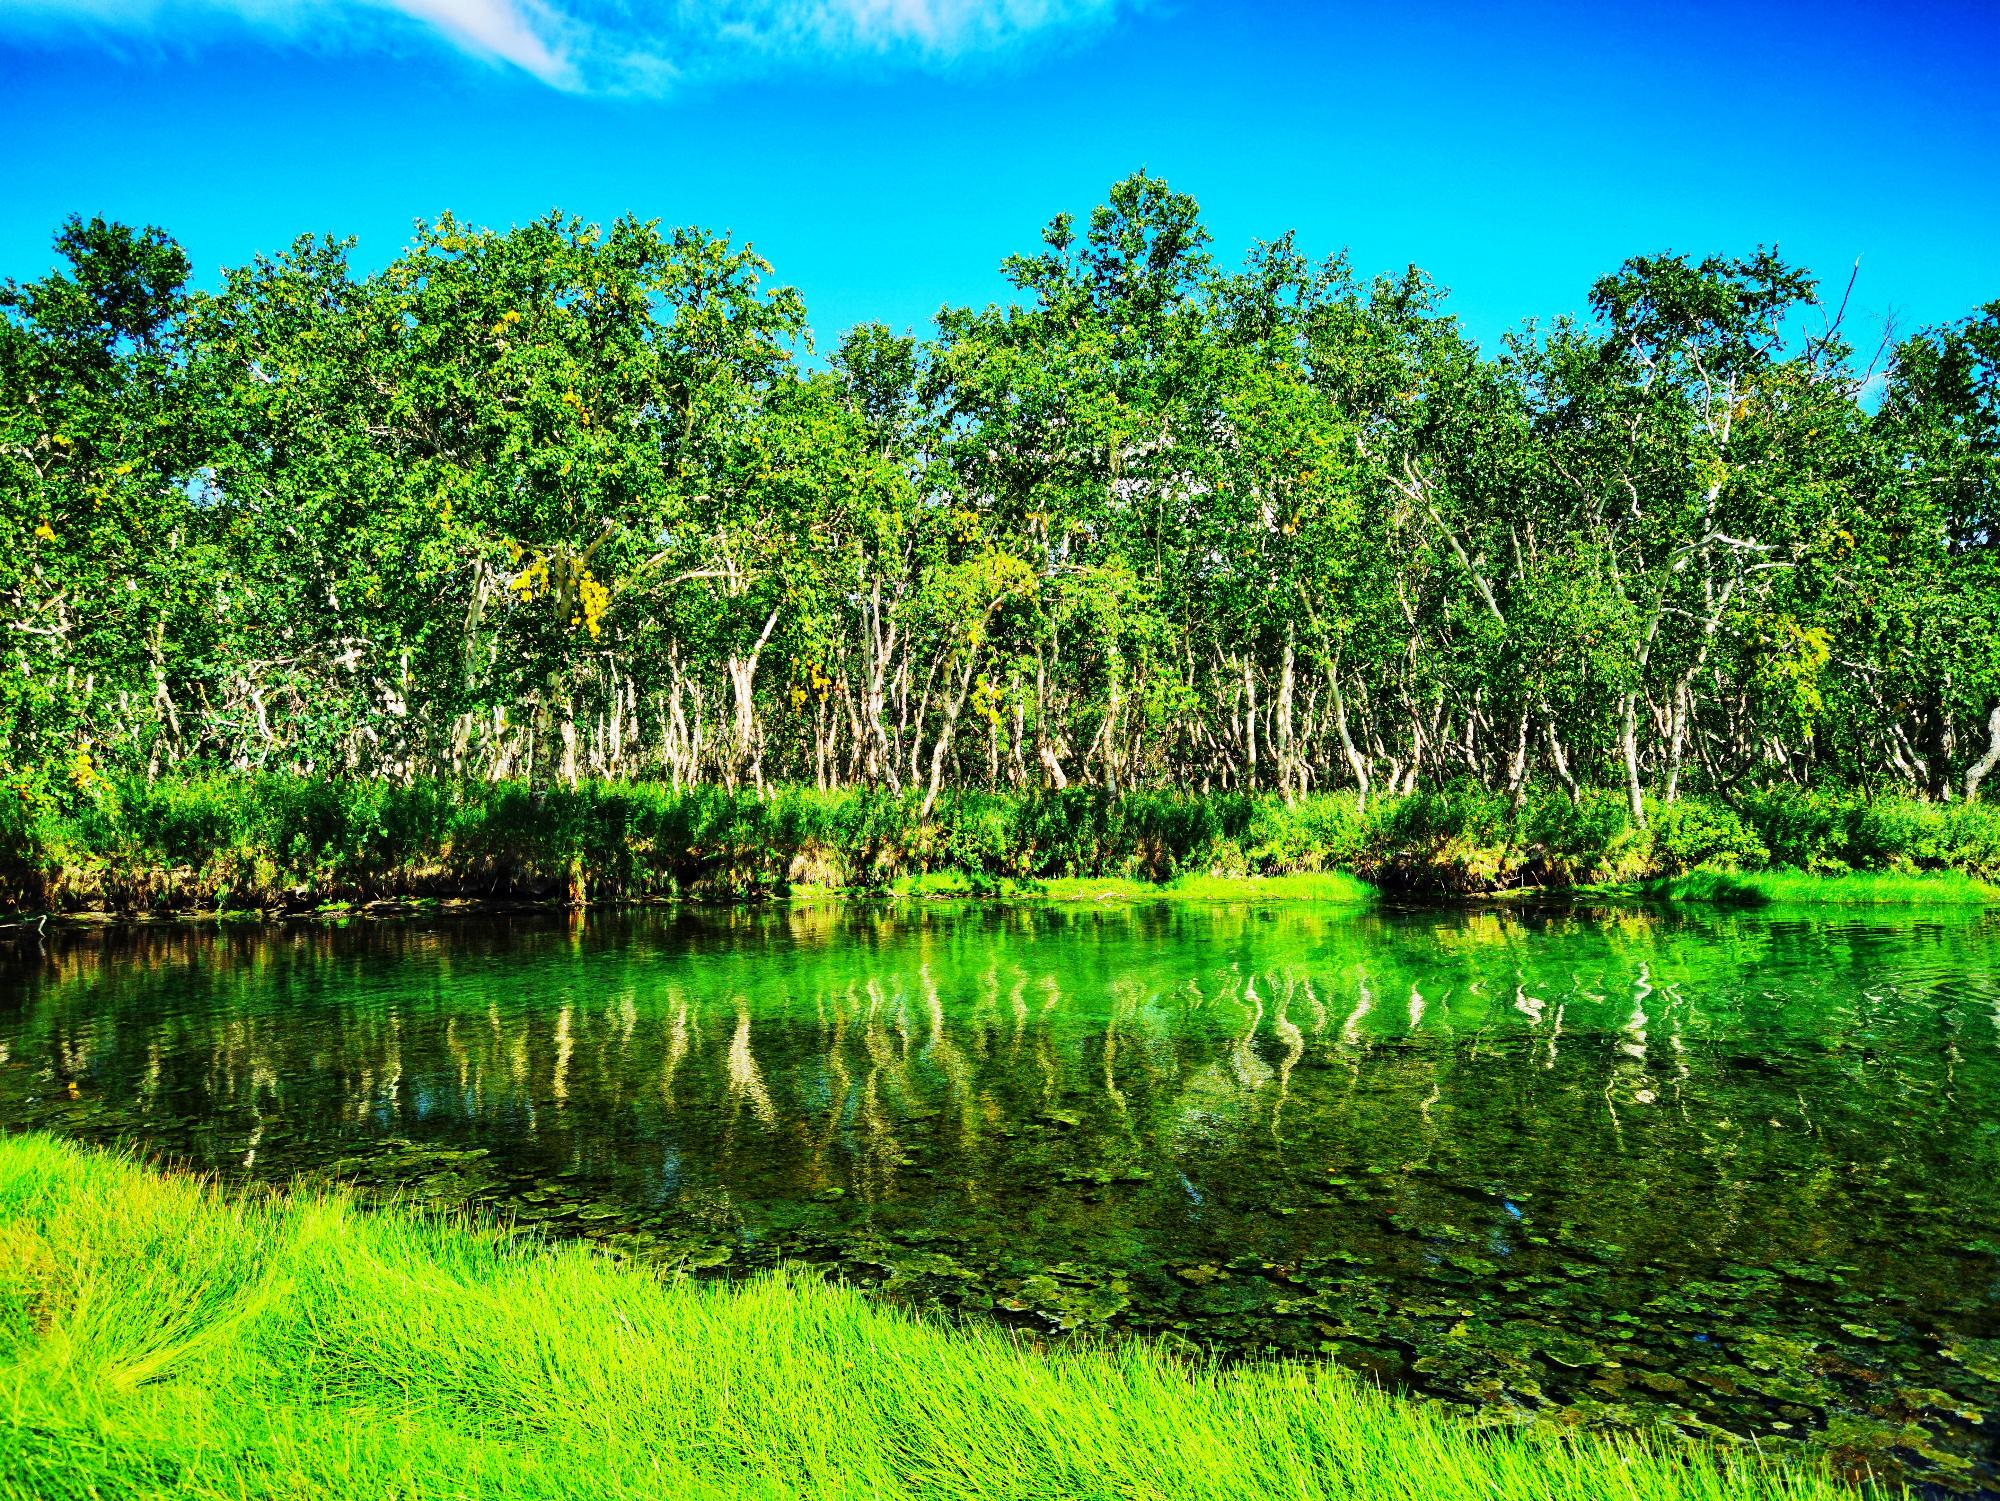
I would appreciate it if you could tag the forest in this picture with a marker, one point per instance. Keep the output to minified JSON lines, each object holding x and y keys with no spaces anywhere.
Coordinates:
{"x":1264,"y":789}
{"x":571,"y":502}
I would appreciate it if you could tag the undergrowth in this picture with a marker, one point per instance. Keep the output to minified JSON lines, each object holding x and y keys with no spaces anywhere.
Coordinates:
{"x":265,"y":842}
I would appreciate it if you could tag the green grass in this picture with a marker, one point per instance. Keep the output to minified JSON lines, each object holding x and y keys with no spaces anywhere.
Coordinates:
{"x":1301,"y":886}
{"x":938,"y":885}
{"x":1765,"y":888}
{"x":1304,"y":886}
{"x":160,"y":1340}
{"x":299,"y":844}
{"x":1871,"y":888}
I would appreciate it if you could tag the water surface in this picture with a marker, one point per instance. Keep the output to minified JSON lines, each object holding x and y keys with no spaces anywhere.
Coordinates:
{"x":1737,"y":1174}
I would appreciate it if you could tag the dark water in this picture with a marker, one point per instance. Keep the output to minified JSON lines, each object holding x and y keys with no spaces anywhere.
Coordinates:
{"x":1740,"y":1174}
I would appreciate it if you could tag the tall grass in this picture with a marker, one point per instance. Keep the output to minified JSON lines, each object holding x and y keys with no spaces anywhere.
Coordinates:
{"x":276,"y":841}
{"x":1318,"y":886}
{"x":158,"y":1340}
{"x":1857,"y":889}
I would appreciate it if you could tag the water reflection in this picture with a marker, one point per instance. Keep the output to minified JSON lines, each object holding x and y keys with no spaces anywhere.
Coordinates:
{"x":1734,"y":1173}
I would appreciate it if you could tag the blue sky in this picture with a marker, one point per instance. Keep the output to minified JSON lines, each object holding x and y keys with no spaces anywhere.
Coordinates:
{"x":885,"y":154}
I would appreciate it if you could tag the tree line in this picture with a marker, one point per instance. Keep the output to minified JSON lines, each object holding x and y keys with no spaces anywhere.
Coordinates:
{"x":571,"y":501}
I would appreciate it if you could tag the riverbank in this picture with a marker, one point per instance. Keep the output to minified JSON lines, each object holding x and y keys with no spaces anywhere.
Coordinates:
{"x":1777,"y":888}
{"x":271,"y":844}
{"x":1704,"y":888}
{"x":1305,"y":886}
{"x":160,"y":1339}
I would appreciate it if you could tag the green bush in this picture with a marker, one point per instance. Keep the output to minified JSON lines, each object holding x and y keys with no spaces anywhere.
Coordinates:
{"x":1569,"y":843}
{"x":1802,"y":830}
{"x":1314,"y":833}
{"x":1968,"y":840}
{"x":1687,"y":835}
{"x":199,"y":842}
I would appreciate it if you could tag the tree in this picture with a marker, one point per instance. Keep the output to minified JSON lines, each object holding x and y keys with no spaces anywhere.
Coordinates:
{"x":563,"y":501}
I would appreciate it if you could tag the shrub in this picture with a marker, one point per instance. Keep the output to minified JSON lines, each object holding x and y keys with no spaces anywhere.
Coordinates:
{"x":1688,"y":834}
{"x":1314,"y":833}
{"x":273,"y":840}
{"x":1591,"y":839}
{"x":1802,"y":830}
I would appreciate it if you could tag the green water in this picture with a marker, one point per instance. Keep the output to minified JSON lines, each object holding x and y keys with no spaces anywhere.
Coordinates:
{"x":1739,"y":1174}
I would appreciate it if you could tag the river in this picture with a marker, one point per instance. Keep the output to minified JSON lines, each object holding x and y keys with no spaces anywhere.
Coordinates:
{"x":1734,"y":1173}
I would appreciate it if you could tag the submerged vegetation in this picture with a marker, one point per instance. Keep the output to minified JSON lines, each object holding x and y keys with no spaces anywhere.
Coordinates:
{"x":160,"y":1340}
{"x":284,"y":842}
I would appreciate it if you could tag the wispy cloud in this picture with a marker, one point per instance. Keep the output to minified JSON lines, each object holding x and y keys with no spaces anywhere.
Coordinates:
{"x":516,"y":32}
{"x":496,"y":28}
{"x":933,"y":28}
{"x":612,"y":46}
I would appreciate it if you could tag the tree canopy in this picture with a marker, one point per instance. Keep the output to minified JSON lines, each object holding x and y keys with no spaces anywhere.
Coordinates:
{"x":575,"y":501}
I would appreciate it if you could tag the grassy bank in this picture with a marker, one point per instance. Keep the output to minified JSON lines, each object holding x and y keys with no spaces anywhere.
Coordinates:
{"x":274,"y":842}
{"x":1767,"y":888}
{"x":1303,"y":886}
{"x":159,"y":1340}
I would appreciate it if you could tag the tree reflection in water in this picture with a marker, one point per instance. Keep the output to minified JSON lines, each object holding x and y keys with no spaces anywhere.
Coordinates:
{"x":1733,"y":1172}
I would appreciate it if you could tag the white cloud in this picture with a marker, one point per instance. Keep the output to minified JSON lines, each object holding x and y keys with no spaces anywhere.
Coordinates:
{"x":496,"y":28}
{"x":620,"y":46}
{"x":934,"y":28}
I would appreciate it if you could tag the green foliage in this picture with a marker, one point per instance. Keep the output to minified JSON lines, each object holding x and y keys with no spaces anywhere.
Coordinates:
{"x":1570,"y":842}
{"x":297,"y":843}
{"x":1691,"y":834}
{"x":1306,"y":834}
{"x":1804,"y":831}
{"x":1728,"y":888}
{"x":157,"y":1339}
{"x":561,"y":504}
